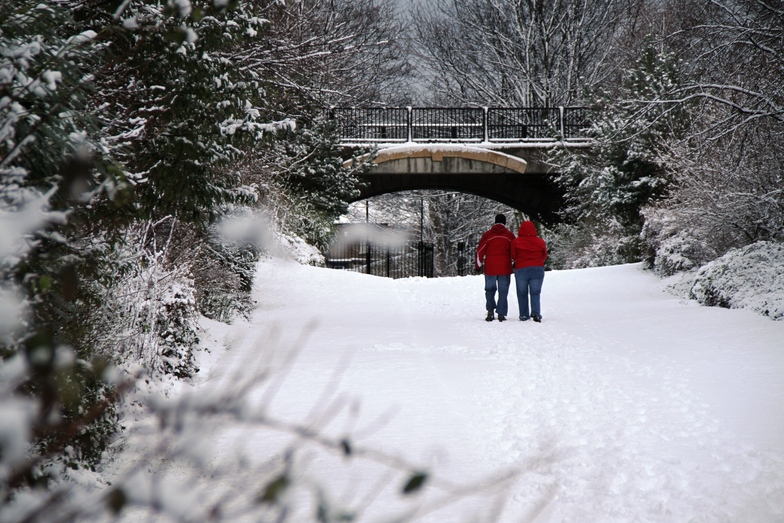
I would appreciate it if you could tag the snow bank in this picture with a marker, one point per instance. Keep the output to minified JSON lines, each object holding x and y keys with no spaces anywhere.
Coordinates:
{"x":747,"y":278}
{"x":300,"y":250}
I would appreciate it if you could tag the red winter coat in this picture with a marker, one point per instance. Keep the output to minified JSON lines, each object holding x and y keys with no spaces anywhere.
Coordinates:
{"x":494,"y":251}
{"x":528,"y":250}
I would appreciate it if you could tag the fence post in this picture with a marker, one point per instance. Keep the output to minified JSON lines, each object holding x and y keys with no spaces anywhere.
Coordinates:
{"x":485,"y":130}
{"x":430,"y":261}
{"x":421,"y":258}
{"x":367,"y":258}
{"x":561,"y":120}
{"x":408,"y":124}
{"x":461,"y":260}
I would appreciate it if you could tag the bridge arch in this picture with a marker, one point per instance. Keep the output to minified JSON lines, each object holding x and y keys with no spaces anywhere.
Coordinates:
{"x":506,"y":178}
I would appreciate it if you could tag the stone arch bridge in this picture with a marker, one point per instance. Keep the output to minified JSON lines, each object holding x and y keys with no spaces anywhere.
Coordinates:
{"x":496,"y":153}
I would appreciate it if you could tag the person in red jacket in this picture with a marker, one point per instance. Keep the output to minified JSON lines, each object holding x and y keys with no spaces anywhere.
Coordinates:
{"x":494,"y":254}
{"x":529,"y":253}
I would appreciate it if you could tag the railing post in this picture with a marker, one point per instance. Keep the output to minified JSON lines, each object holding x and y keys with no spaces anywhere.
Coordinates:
{"x":421,"y":259}
{"x":485,"y":131}
{"x":561,"y":121}
{"x":408,"y":125}
{"x":461,"y":259}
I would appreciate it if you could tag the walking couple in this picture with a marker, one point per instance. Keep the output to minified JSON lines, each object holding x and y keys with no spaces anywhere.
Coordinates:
{"x":499,"y":251}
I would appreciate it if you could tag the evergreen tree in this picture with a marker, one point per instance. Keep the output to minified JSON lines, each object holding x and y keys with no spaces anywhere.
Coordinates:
{"x":609,"y":183}
{"x":90,"y":98}
{"x":310,"y":183}
{"x":52,"y":164}
{"x":126,"y":129}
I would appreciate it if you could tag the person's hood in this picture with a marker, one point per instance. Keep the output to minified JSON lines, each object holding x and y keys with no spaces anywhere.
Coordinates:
{"x":498,"y":228}
{"x":527,"y":229}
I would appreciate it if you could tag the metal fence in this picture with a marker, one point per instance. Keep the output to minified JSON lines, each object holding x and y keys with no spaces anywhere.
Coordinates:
{"x":522,"y":124}
{"x":372,"y":124}
{"x":462,"y":125}
{"x":447,"y":124}
{"x":392,"y":261}
{"x":576,"y":122}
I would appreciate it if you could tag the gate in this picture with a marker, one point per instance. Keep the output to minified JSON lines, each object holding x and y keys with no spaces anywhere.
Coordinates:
{"x":402,"y":260}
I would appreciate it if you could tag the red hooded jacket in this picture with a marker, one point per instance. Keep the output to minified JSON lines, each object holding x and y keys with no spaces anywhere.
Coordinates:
{"x":528,"y":250}
{"x":494,"y":251}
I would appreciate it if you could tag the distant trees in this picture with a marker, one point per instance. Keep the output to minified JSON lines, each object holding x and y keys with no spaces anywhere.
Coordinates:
{"x":455,"y":218}
{"x":519,"y":53}
{"x":736,"y":60}
{"x":336,"y":52}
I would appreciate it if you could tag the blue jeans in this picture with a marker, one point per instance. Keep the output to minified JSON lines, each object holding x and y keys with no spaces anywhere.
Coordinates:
{"x":502,"y":284}
{"x":529,"y":281}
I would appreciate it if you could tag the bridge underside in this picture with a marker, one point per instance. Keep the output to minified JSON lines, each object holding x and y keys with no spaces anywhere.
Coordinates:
{"x":487,"y":174}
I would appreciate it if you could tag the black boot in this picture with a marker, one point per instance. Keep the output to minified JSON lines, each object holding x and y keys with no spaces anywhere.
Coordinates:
{"x":490,"y":316}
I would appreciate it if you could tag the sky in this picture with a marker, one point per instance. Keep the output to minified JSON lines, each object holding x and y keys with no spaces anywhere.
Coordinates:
{"x":625,"y":404}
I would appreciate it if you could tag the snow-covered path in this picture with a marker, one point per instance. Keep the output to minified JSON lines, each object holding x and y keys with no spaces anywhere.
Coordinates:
{"x":625,"y":404}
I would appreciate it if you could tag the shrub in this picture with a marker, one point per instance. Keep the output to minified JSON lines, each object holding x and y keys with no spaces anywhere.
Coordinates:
{"x":226,"y":265}
{"x":591,"y":245}
{"x":751,"y":278}
{"x":148,"y":313}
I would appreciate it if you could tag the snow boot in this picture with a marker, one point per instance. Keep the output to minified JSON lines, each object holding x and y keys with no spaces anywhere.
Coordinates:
{"x":537,"y":318}
{"x":490,"y":316}
{"x":501,"y":317}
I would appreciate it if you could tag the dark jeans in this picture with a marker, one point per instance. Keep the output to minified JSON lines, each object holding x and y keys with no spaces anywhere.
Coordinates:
{"x":501,"y":283}
{"x":529,"y":281}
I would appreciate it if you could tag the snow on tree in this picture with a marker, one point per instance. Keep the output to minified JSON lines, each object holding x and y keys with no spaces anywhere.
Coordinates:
{"x":123,"y":128}
{"x":608,"y":184}
{"x":728,"y":168}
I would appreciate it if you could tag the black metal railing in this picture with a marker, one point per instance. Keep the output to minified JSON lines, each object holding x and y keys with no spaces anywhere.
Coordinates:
{"x":460,"y":125}
{"x":523,"y":124}
{"x":575,"y":122}
{"x":372,"y":124}
{"x":447,"y":124}
{"x":392,"y":261}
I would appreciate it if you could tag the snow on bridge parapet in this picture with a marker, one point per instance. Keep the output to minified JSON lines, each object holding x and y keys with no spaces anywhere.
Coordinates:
{"x":437,"y":152}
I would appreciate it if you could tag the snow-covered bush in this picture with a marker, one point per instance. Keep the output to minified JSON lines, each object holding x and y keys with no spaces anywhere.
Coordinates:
{"x":590,"y":245}
{"x":747,"y":278}
{"x":670,"y":247}
{"x":226,"y":265}
{"x":301,"y":251}
{"x":147,"y":314}
{"x":677,"y":253}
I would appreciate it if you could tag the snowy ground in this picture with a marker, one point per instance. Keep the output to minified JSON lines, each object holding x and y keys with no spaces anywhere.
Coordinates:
{"x":625,"y":404}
